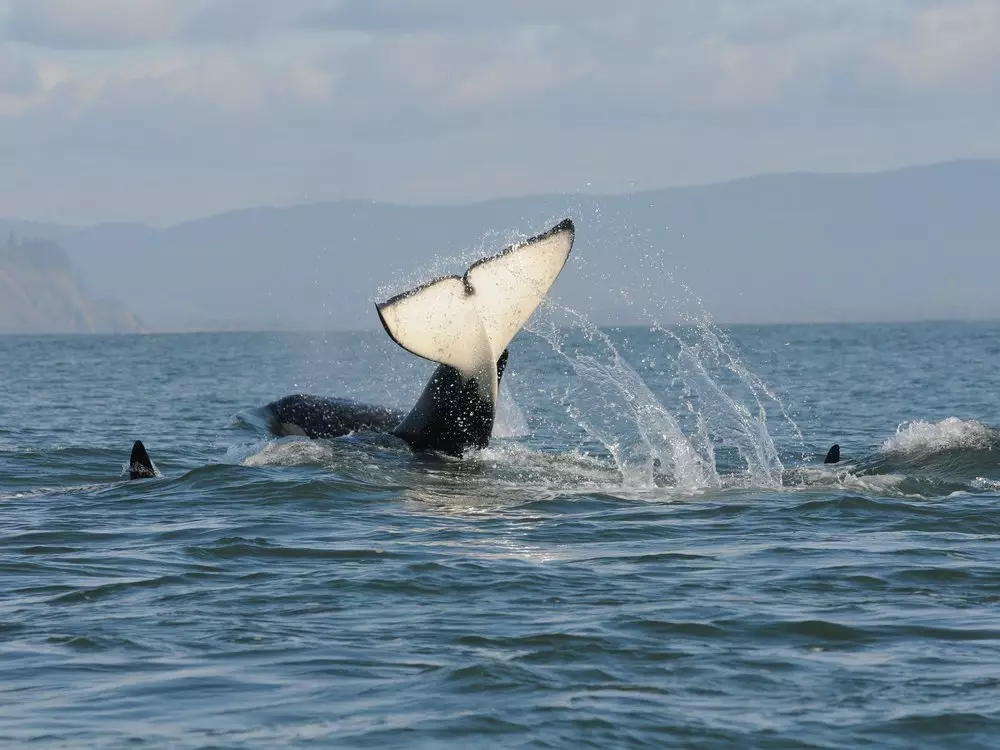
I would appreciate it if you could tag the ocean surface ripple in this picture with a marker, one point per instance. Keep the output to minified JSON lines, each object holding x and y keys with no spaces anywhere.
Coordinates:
{"x":653,"y":555}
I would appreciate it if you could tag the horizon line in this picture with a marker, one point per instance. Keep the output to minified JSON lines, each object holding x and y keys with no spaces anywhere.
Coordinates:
{"x":603,"y":326}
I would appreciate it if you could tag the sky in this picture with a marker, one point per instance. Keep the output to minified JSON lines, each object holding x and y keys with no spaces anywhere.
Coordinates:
{"x":166,"y":110}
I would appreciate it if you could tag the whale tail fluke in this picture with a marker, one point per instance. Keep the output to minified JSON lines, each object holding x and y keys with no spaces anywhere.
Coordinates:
{"x":139,"y":465}
{"x":467,"y":321}
{"x":833,"y":455}
{"x":465,"y":324}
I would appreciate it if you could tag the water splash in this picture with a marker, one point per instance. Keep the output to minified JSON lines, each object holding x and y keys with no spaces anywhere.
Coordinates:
{"x":919,"y":437}
{"x":509,"y":421}
{"x":649,"y":443}
{"x":718,"y":433}
{"x":704,"y":358}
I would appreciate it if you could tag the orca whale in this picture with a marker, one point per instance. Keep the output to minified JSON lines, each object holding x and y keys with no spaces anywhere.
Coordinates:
{"x":464,"y":323}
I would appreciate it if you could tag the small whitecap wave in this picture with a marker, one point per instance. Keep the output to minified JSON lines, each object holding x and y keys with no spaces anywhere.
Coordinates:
{"x":126,"y":468}
{"x":290,"y":452}
{"x":989,"y":485}
{"x":297,"y":451}
{"x":950,"y":451}
{"x":42,"y":492}
{"x":919,"y":437}
{"x":519,"y":464}
{"x":846,"y":478}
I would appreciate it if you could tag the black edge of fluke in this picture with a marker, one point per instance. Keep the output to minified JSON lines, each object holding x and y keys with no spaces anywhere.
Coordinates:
{"x":139,"y":465}
{"x":566,"y":225}
{"x":833,"y":455}
{"x":502,"y":364}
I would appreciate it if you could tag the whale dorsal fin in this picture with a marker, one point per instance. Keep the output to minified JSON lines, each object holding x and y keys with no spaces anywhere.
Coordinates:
{"x":467,"y":322}
{"x":139,"y":465}
{"x":833,"y":455}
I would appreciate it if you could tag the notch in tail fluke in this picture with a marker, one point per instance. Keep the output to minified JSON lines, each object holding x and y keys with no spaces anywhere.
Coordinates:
{"x":467,"y":321}
{"x":139,"y":465}
{"x":832,"y":455}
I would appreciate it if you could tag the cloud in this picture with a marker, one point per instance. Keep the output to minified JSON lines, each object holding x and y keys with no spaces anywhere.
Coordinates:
{"x":94,"y":24}
{"x":436,"y":15}
{"x":944,"y":45}
{"x":18,"y":84}
{"x":260,"y":101}
{"x":236,"y":21}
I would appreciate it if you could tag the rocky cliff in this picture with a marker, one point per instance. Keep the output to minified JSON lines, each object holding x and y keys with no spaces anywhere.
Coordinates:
{"x":39,"y":293}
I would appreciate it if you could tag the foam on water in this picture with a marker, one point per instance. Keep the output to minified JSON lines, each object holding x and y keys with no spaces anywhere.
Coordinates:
{"x":292,"y":451}
{"x":126,"y":466}
{"x":507,"y":468}
{"x":846,"y":478}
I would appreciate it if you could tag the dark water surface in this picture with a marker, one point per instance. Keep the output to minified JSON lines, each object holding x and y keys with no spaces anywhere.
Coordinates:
{"x":643,"y":561}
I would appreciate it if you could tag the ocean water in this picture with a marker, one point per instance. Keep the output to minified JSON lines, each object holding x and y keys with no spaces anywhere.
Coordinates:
{"x":650,"y":554}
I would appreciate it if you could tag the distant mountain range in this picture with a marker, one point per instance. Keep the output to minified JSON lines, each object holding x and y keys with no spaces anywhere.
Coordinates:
{"x":914,"y":243}
{"x":39,"y":293}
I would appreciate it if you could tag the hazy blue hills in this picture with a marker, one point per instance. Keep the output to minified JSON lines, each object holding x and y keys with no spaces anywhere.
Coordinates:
{"x":39,"y":293}
{"x":914,"y":243}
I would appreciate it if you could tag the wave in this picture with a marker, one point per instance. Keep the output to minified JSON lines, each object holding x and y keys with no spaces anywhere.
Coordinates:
{"x":922,"y":459}
{"x":952,"y":450}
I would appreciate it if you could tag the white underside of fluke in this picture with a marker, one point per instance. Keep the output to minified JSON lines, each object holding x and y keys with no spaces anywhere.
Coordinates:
{"x":466,"y":322}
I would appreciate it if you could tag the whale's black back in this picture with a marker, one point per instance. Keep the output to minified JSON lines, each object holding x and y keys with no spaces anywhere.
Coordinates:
{"x":322,"y":417}
{"x":451,"y":415}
